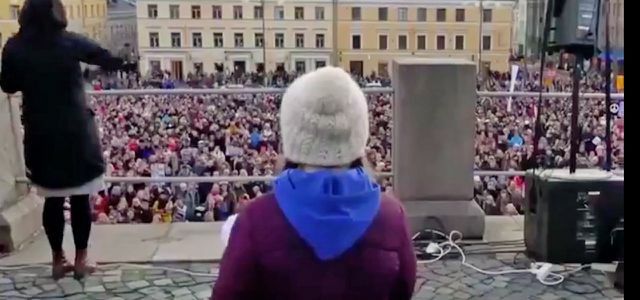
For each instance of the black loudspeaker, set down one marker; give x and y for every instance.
(574, 26)
(573, 218)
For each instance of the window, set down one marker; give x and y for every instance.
(403, 14)
(356, 13)
(440, 42)
(195, 12)
(174, 11)
(320, 63)
(402, 42)
(319, 13)
(422, 42)
(486, 42)
(259, 39)
(258, 12)
(459, 14)
(299, 40)
(237, 12)
(299, 13)
(383, 69)
(238, 40)
(383, 13)
(422, 14)
(154, 40)
(278, 13)
(197, 40)
(383, 42)
(301, 66)
(197, 67)
(15, 12)
(487, 15)
(279, 40)
(320, 40)
(152, 11)
(441, 15)
(355, 42)
(176, 40)
(218, 40)
(459, 42)
(217, 12)
(155, 65)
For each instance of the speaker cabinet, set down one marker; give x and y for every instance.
(572, 218)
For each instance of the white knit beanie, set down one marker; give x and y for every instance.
(324, 119)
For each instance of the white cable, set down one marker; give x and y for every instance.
(137, 266)
(542, 271)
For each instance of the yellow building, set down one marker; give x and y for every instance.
(374, 32)
(84, 16)
(88, 17)
(190, 36)
(9, 10)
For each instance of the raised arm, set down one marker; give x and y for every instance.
(92, 53)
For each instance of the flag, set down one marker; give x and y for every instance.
(512, 85)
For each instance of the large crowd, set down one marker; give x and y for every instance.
(237, 135)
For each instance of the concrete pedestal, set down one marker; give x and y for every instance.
(433, 143)
(20, 210)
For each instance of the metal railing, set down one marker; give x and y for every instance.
(219, 91)
(547, 95)
(199, 179)
(241, 91)
(231, 91)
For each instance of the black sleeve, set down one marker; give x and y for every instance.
(9, 77)
(91, 53)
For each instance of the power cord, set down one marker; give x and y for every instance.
(542, 271)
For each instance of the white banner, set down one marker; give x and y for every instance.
(512, 84)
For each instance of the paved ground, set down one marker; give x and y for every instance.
(441, 280)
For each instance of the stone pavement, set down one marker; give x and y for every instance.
(441, 280)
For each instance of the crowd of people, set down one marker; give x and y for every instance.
(237, 135)
(165, 80)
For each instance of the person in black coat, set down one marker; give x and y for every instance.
(62, 148)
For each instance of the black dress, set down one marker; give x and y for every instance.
(61, 141)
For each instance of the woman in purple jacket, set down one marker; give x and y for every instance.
(327, 232)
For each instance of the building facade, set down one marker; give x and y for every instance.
(87, 17)
(9, 11)
(191, 36)
(121, 27)
(616, 24)
(374, 32)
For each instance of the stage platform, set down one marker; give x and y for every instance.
(179, 261)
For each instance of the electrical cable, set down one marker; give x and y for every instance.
(543, 272)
